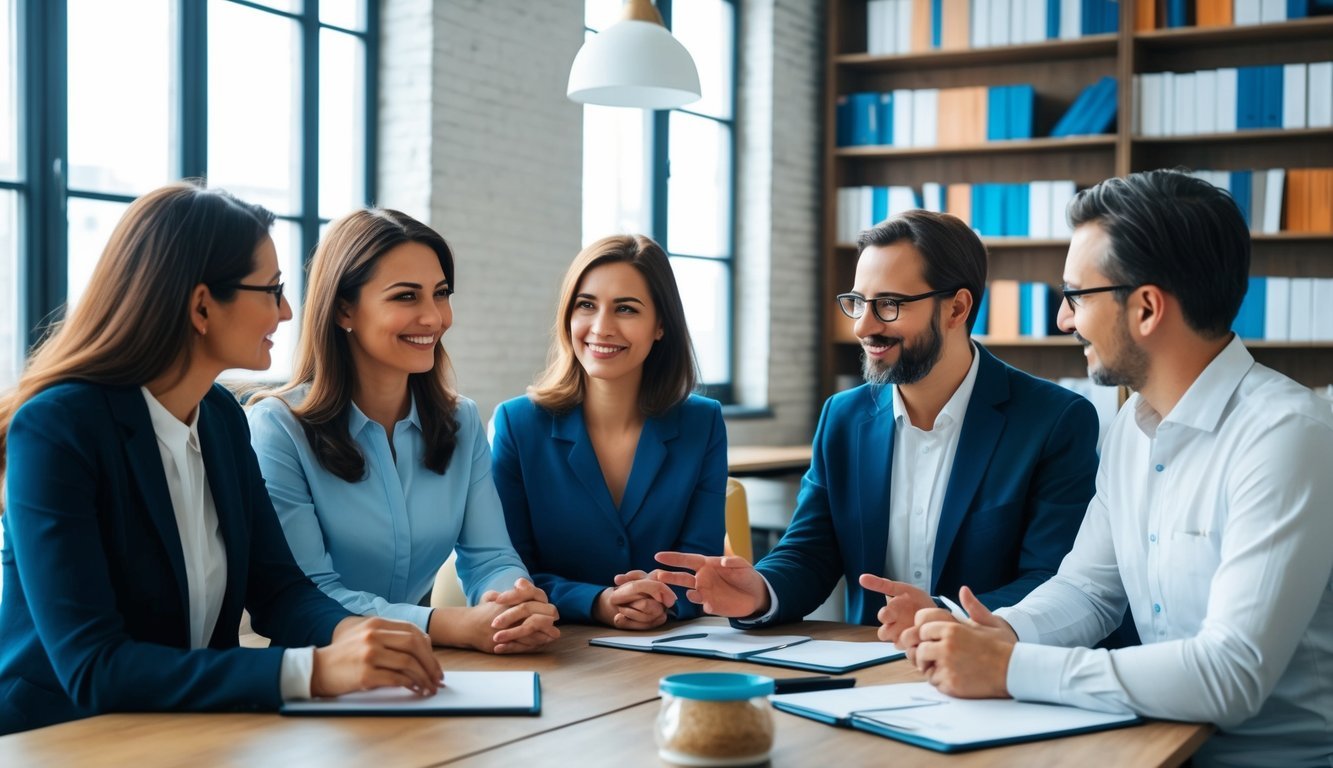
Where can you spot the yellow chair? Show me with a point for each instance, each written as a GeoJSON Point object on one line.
{"type": "Point", "coordinates": [737, 541]}
{"type": "Point", "coordinates": [448, 591]}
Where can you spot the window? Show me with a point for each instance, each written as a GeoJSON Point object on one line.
{"type": "Point", "coordinates": [670, 174]}
{"type": "Point", "coordinates": [272, 101]}
{"type": "Point", "coordinates": [12, 336]}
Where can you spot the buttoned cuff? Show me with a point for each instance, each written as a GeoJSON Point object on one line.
{"type": "Point", "coordinates": [1036, 672]}
{"type": "Point", "coordinates": [298, 666]}
{"type": "Point", "coordinates": [770, 614]}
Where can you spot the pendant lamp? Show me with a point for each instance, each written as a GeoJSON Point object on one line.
{"type": "Point", "coordinates": [634, 63]}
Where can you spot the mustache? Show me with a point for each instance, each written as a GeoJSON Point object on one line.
{"type": "Point", "coordinates": [881, 341]}
{"type": "Point", "coordinates": [1080, 339]}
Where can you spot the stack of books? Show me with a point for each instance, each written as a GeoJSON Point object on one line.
{"type": "Point", "coordinates": [933, 117]}
{"type": "Point", "coordinates": [1286, 309]}
{"type": "Point", "coordinates": [1158, 14]}
{"type": "Point", "coordinates": [1234, 98]}
{"type": "Point", "coordinates": [899, 27]}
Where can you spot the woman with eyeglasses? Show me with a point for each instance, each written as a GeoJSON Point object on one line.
{"type": "Point", "coordinates": [136, 524]}
{"type": "Point", "coordinates": [609, 458]}
{"type": "Point", "coordinates": [377, 468]}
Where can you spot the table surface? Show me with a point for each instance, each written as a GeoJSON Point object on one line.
{"type": "Point", "coordinates": [762, 459]}
{"type": "Point", "coordinates": [598, 706]}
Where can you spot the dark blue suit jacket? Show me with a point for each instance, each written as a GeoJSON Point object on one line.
{"type": "Point", "coordinates": [561, 518]}
{"type": "Point", "coordinates": [94, 616]}
{"type": "Point", "coordinates": [1021, 481]}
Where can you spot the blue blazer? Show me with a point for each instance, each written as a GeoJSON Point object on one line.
{"type": "Point", "coordinates": [1021, 481]}
{"type": "Point", "coordinates": [94, 614]}
{"type": "Point", "coordinates": [561, 518]}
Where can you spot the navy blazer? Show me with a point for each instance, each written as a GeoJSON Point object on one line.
{"type": "Point", "coordinates": [1021, 481]}
{"type": "Point", "coordinates": [561, 518]}
{"type": "Point", "coordinates": [94, 616]}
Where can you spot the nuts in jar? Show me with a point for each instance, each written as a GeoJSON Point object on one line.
{"type": "Point", "coordinates": [715, 718]}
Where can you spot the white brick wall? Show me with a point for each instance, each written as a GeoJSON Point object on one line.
{"type": "Point", "coordinates": [478, 137]}
{"type": "Point", "coordinates": [781, 78]}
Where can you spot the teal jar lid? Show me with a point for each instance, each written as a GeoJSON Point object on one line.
{"type": "Point", "coordinates": [716, 686]}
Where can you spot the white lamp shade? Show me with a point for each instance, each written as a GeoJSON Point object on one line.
{"type": "Point", "coordinates": [634, 64]}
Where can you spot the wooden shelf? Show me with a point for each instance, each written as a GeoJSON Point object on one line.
{"type": "Point", "coordinates": [1258, 135]}
{"type": "Point", "coordinates": [1042, 145]}
{"type": "Point", "coordinates": [1310, 345]}
{"type": "Point", "coordinates": [1012, 243]}
{"type": "Point", "coordinates": [1181, 38]}
{"type": "Point", "coordinates": [1084, 47]}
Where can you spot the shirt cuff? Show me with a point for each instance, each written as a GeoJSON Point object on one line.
{"type": "Point", "coordinates": [298, 666]}
{"type": "Point", "coordinates": [772, 611]}
{"type": "Point", "coordinates": [1036, 672]}
{"type": "Point", "coordinates": [1022, 624]}
{"type": "Point", "coordinates": [413, 614]}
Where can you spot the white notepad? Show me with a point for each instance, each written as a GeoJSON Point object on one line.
{"type": "Point", "coordinates": [795, 651]}
{"type": "Point", "coordinates": [463, 693]}
{"type": "Point", "coordinates": [919, 714]}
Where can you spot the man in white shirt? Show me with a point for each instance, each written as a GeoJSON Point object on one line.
{"type": "Point", "coordinates": [1212, 517]}
{"type": "Point", "coordinates": [948, 467]}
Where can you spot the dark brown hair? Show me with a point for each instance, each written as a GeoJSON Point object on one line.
{"type": "Point", "coordinates": [952, 253]}
{"type": "Point", "coordinates": [668, 372]}
{"type": "Point", "coordinates": [343, 263]}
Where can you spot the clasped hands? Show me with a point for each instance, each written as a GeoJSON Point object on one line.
{"type": "Point", "coordinates": [518, 620]}
{"type": "Point", "coordinates": [635, 602]}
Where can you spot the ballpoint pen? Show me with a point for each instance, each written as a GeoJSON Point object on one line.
{"type": "Point", "coordinates": [816, 683]}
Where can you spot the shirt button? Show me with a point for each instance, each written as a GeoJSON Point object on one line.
{"type": "Point", "coordinates": [917, 574]}
{"type": "Point", "coordinates": [1161, 467]}
{"type": "Point", "coordinates": [1156, 607]}
{"type": "Point", "coordinates": [1152, 537]}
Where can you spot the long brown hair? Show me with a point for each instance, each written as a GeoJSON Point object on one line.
{"type": "Point", "coordinates": [343, 263]}
{"type": "Point", "coordinates": [669, 373]}
{"type": "Point", "coordinates": [132, 324]}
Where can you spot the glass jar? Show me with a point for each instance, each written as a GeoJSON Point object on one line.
{"type": "Point", "coordinates": [715, 718]}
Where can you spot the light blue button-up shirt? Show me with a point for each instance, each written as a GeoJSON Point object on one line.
{"type": "Point", "coordinates": [375, 545]}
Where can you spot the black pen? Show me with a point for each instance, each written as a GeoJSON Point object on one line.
{"type": "Point", "coordinates": [817, 683]}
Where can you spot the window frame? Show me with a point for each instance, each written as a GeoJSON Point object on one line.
{"type": "Point", "coordinates": [43, 147]}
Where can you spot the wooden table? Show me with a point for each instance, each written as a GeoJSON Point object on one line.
{"type": "Point", "coordinates": [598, 706]}
{"type": "Point", "coordinates": [767, 459]}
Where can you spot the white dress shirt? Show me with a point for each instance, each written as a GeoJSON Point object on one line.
{"type": "Point", "coordinates": [202, 546]}
{"type": "Point", "coordinates": [1214, 524]}
{"type": "Point", "coordinates": [922, 465]}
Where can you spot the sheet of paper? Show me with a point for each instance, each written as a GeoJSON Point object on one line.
{"type": "Point", "coordinates": [832, 653]}
{"type": "Point", "coordinates": [721, 640]}
{"type": "Point", "coordinates": [462, 691]}
{"type": "Point", "coordinates": [841, 703]}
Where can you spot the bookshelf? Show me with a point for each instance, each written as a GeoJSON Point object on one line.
{"type": "Point", "coordinates": [1059, 70]}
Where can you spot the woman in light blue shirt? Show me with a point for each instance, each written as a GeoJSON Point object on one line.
{"type": "Point", "coordinates": [377, 468]}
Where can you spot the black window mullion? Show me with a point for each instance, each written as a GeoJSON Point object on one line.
{"type": "Point", "coordinates": [371, 41]}
{"type": "Point", "coordinates": [192, 68]}
{"type": "Point", "coordinates": [44, 94]}
{"type": "Point", "coordinates": [309, 129]}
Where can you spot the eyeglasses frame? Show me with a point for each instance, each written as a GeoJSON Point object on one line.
{"type": "Point", "coordinates": [897, 301]}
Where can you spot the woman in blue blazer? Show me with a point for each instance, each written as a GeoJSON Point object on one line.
{"type": "Point", "coordinates": [609, 457]}
{"type": "Point", "coordinates": [136, 525]}
{"type": "Point", "coordinates": [377, 467]}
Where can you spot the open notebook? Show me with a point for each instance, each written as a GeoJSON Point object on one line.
{"type": "Point", "coordinates": [463, 693]}
{"type": "Point", "coordinates": [918, 714]}
{"type": "Point", "coordinates": [795, 651]}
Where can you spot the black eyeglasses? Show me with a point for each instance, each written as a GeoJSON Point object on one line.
{"type": "Point", "coordinates": [276, 290]}
{"type": "Point", "coordinates": [886, 308]}
{"type": "Point", "coordinates": [1072, 297]}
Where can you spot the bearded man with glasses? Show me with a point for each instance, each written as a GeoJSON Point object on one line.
{"type": "Point", "coordinates": [948, 467]}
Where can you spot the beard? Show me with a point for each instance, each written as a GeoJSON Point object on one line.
{"type": "Point", "coordinates": [1129, 367]}
{"type": "Point", "coordinates": [915, 360]}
